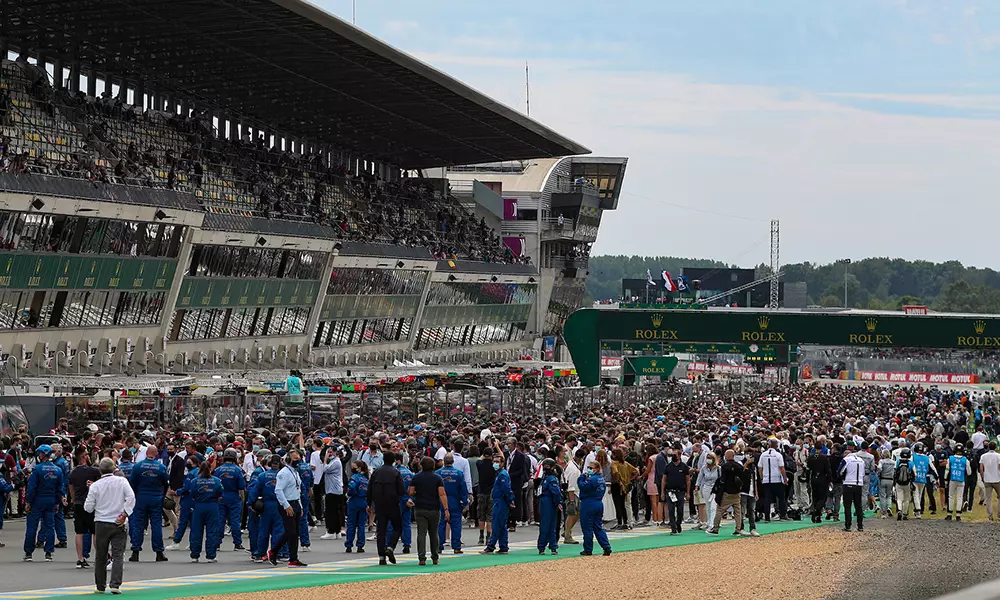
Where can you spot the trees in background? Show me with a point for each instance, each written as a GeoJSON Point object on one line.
{"type": "Point", "coordinates": [876, 283]}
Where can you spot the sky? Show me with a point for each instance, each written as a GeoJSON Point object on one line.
{"type": "Point", "coordinates": [866, 127]}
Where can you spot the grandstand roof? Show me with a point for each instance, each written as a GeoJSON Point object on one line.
{"type": "Point", "coordinates": [297, 69]}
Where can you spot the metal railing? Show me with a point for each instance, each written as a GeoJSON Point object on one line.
{"type": "Point", "coordinates": [405, 407]}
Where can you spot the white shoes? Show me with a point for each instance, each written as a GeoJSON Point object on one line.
{"type": "Point", "coordinates": [305, 549]}
{"type": "Point", "coordinates": [173, 547]}
{"type": "Point", "coordinates": [194, 560]}
{"type": "Point", "coordinates": [328, 536]}
{"type": "Point", "coordinates": [372, 537]}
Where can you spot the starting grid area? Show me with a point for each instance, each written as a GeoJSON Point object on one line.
{"type": "Point", "coordinates": [268, 577]}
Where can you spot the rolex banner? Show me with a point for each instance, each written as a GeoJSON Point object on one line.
{"type": "Point", "coordinates": [650, 366]}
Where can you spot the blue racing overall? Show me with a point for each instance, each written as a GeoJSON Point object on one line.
{"type": "Point", "coordinates": [206, 493]}
{"type": "Point", "coordinates": [187, 505]}
{"type": "Point", "coordinates": [271, 526]}
{"type": "Point", "coordinates": [253, 519]}
{"type": "Point", "coordinates": [44, 494]}
{"type": "Point", "coordinates": [231, 507]}
{"type": "Point", "coordinates": [592, 489]}
{"type": "Point", "coordinates": [357, 513]}
{"type": "Point", "coordinates": [149, 480]}
{"type": "Point", "coordinates": [503, 499]}
{"type": "Point", "coordinates": [405, 512]}
{"type": "Point", "coordinates": [548, 505]}
{"type": "Point", "coordinates": [458, 497]}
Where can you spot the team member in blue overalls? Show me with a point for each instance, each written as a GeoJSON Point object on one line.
{"type": "Point", "coordinates": [253, 493]}
{"type": "Point", "coordinates": [592, 489]}
{"type": "Point", "coordinates": [6, 487]}
{"type": "Point", "coordinates": [187, 503]}
{"type": "Point", "coordinates": [231, 508]}
{"type": "Point", "coordinates": [306, 475]}
{"type": "Point", "coordinates": [149, 480]}
{"type": "Point", "coordinates": [125, 465]}
{"type": "Point", "coordinates": [60, 518]}
{"type": "Point", "coordinates": [550, 507]}
{"type": "Point", "coordinates": [405, 512]}
{"type": "Point", "coordinates": [458, 496]}
{"type": "Point", "coordinates": [357, 506]}
{"type": "Point", "coordinates": [503, 501]}
{"type": "Point", "coordinates": [44, 494]}
{"type": "Point", "coordinates": [270, 526]}
{"type": "Point", "coordinates": [206, 491]}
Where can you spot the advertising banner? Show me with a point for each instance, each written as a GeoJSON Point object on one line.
{"type": "Point", "coordinates": [728, 369]}
{"type": "Point", "coordinates": [907, 377]}
{"type": "Point", "coordinates": [549, 347]}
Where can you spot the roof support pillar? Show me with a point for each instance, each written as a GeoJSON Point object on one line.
{"type": "Point", "coordinates": [91, 81]}
{"type": "Point", "coordinates": [139, 96]}
{"type": "Point", "coordinates": [74, 77]}
{"type": "Point", "coordinates": [57, 73]}
{"type": "Point", "coordinates": [4, 48]}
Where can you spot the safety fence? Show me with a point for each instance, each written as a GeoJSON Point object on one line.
{"type": "Point", "coordinates": [272, 411]}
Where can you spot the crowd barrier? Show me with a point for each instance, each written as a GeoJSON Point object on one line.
{"type": "Point", "coordinates": [271, 411]}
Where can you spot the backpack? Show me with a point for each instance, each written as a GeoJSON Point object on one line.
{"type": "Point", "coordinates": [904, 474]}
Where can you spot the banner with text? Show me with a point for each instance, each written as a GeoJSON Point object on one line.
{"type": "Point", "coordinates": [906, 377]}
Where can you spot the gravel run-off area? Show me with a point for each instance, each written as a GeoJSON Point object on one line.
{"type": "Point", "coordinates": [890, 560]}
{"type": "Point", "coordinates": [802, 565]}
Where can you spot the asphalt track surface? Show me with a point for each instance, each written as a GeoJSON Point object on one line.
{"type": "Point", "coordinates": [328, 564]}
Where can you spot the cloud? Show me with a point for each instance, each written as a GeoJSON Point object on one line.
{"type": "Point", "coordinates": [401, 27]}
{"type": "Point", "coordinates": [842, 180]}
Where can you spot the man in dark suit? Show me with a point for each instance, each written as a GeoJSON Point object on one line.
{"type": "Point", "coordinates": [519, 470]}
{"type": "Point", "coordinates": [385, 489]}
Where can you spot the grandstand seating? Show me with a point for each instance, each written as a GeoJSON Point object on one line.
{"type": "Point", "coordinates": [105, 140]}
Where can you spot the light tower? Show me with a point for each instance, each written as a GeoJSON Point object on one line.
{"type": "Point", "coordinates": [775, 264]}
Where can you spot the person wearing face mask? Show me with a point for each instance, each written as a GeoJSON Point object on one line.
{"type": "Point", "coordinates": [405, 512]}
{"type": "Point", "coordinates": [288, 491]}
{"type": "Point", "coordinates": [503, 502]}
{"type": "Point", "coordinates": [622, 475]}
{"type": "Point", "coordinates": [306, 490]}
{"type": "Point", "coordinates": [704, 486]}
{"type": "Point", "coordinates": [186, 503]}
{"type": "Point", "coordinates": [270, 526]}
{"type": "Point", "coordinates": [550, 507]}
{"type": "Point", "coordinates": [571, 475]}
{"type": "Point", "coordinates": [357, 504]}
{"type": "Point", "coordinates": [592, 488]}
{"type": "Point", "coordinates": [253, 494]}
{"type": "Point", "coordinates": [675, 486]}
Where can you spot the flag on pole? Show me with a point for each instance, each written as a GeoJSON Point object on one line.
{"type": "Point", "coordinates": [682, 285]}
{"type": "Point", "coordinates": [668, 282]}
{"type": "Point", "coordinates": [649, 279]}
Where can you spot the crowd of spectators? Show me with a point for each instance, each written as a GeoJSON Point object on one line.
{"type": "Point", "coordinates": [660, 458]}
{"type": "Point", "coordinates": [105, 140]}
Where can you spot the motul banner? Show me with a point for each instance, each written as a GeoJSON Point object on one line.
{"type": "Point", "coordinates": [904, 377]}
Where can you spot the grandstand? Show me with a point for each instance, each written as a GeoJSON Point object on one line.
{"type": "Point", "coordinates": [203, 184]}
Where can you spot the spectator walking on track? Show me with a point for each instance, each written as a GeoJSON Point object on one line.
{"type": "Point", "coordinates": [112, 501]}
